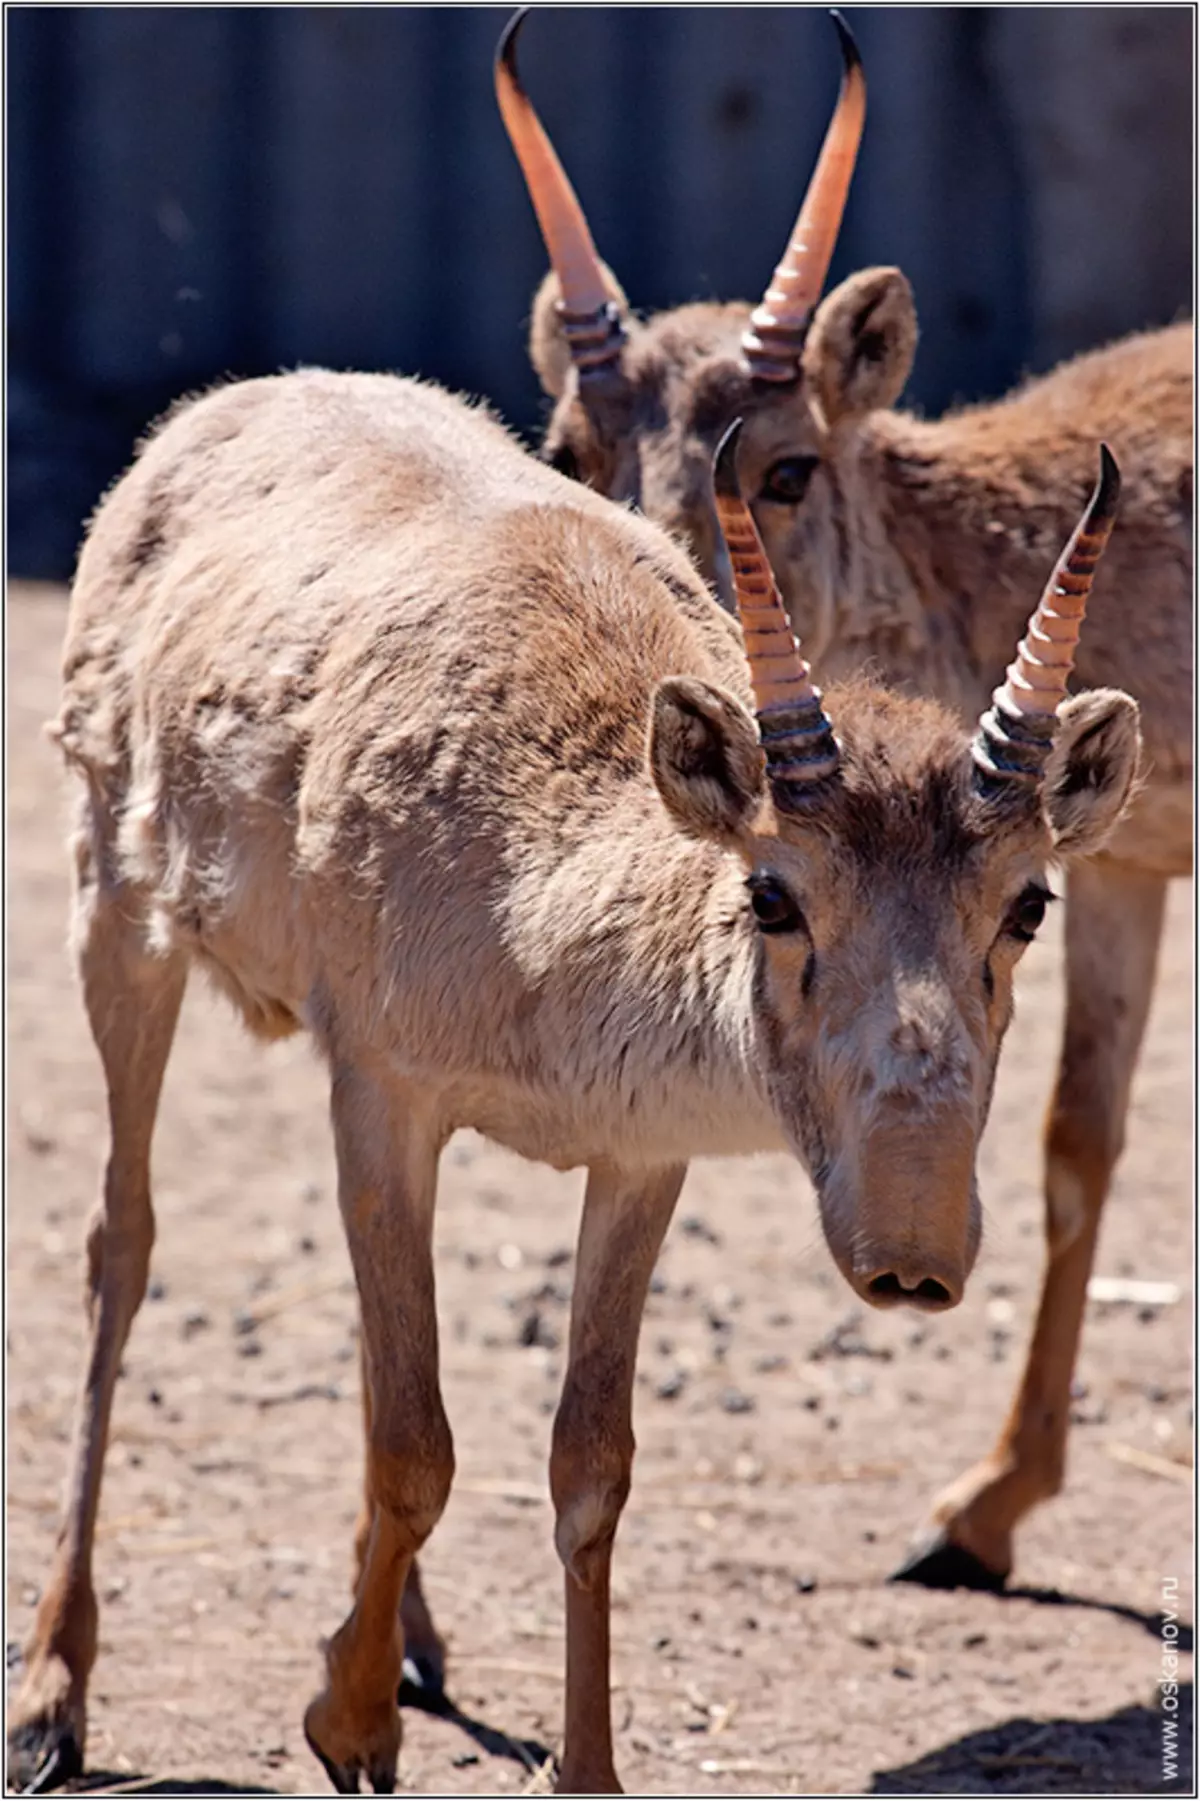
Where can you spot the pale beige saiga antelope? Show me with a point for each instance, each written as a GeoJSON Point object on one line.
{"type": "Point", "coordinates": [415, 745]}
{"type": "Point", "coordinates": [909, 547]}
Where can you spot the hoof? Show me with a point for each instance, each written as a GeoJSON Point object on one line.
{"type": "Point", "coordinates": [380, 1770]}
{"type": "Point", "coordinates": [42, 1756]}
{"type": "Point", "coordinates": [937, 1562]}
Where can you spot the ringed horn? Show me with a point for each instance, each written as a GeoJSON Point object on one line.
{"type": "Point", "coordinates": [1017, 732]}
{"type": "Point", "coordinates": [794, 730]}
{"type": "Point", "coordinates": [778, 325]}
{"type": "Point", "coordinates": [590, 319]}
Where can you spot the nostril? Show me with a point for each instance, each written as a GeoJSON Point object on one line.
{"type": "Point", "coordinates": [928, 1292]}
{"type": "Point", "coordinates": [935, 1293]}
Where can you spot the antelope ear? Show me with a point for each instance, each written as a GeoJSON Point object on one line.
{"type": "Point", "coordinates": [548, 351]}
{"type": "Point", "coordinates": [705, 758]}
{"type": "Point", "coordinates": [861, 344]}
{"type": "Point", "coordinates": [1091, 770]}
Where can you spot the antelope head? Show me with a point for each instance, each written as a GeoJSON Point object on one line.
{"type": "Point", "coordinates": [896, 873]}
{"type": "Point", "coordinates": [640, 406]}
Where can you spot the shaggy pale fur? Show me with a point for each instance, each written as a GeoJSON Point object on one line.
{"type": "Point", "coordinates": [414, 745]}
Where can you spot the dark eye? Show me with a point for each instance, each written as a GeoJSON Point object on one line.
{"type": "Point", "coordinates": [774, 908]}
{"type": "Point", "coordinates": [1027, 913]}
{"type": "Point", "coordinates": [566, 462]}
{"type": "Point", "coordinates": [787, 480]}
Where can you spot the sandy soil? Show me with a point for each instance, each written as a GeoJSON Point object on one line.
{"type": "Point", "coordinates": [757, 1646]}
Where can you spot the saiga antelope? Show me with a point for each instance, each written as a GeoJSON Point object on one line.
{"type": "Point", "coordinates": [413, 744]}
{"type": "Point", "coordinates": [909, 546]}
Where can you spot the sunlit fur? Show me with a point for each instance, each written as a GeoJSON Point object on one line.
{"type": "Point", "coordinates": [411, 743]}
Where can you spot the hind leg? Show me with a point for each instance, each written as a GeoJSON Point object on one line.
{"type": "Point", "coordinates": [1114, 924]}
{"type": "Point", "coordinates": [132, 998]}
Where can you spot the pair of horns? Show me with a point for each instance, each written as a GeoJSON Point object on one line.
{"type": "Point", "coordinates": [1015, 735]}
{"type": "Point", "coordinates": [591, 320]}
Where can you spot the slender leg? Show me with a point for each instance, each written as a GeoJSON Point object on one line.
{"type": "Point", "coordinates": [624, 1220]}
{"type": "Point", "coordinates": [1114, 924]}
{"type": "Point", "coordinates": [424, 1652]}
{"type": "Point", "coordinates": [132, 999]}
{"type": "Point", "coordinates": [387, 1151]}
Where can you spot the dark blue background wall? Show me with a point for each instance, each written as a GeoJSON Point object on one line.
{"type": "Point", "coordinates": [196, 192]}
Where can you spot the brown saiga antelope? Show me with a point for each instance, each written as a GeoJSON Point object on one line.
{"type": "Point", "coordinates": [910, 546]}
{"type": "Point", "coordinates": [411, 743]}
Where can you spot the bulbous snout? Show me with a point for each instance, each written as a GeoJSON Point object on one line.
{"type": "Point", "coordinates": [902, 1215]}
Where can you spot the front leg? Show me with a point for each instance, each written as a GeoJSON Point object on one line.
{"type": "Point", "coordinates": [387, 1149]}
{"type": "Point", "coordinates": [624, 1220]}
{"type": "Point", "coordinates": [424, 1652]}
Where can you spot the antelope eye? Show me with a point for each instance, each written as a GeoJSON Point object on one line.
{"type": "Point", "coordinates": [774, 908]}
{"type": "Point", "coordinates": [787, 480]}
{"type": "Point", "coordinates": [566, 462]}
{"type": "Point", "coordinates": [1027, 913]}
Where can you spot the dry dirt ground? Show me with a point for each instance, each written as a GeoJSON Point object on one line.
{"type": "Point", "coordinates": [787, 1448]}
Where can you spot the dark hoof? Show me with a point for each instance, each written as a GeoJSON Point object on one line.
{"type": "Point", "coordinates": [343, 1778]}
{"type": "Point", "coordinates": [938, 1562]}
{"type": "Point", "coordinates": [423, 1684]}
{"type": "Point", "coordinates": [35, 1766]}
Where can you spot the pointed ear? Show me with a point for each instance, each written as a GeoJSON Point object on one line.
{"type": "Point", "coordinates": [861, 344]}
{"type": "Point", "coordinates": [1091, 771]}
{"type": "Point", "coordinates": [548, 350]}
{"type": "Point", "coordinates": [705, 758]}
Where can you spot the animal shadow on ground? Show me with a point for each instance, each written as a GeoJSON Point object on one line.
{"type": "Point", "coordinates": [1149, 1622]}
{"type": "Point", "coordinates": [108, 1782]}
{"type": "Point", "coordinates": [529, 1752]}
{"type": "Point", "coordinates": [1122, 1754]}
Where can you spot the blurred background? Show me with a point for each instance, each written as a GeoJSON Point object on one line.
{"type": "Point", "coordinates": [201, 192]}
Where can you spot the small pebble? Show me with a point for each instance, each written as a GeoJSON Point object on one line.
{"type": "Point", "coordinates": [535, 1331]}
{"type": "Point", "coordinates": [671, 1387]}
{"type": "Point", "coordinates": [156, 1289]}
{"type": "Point", "coordinates": [694, 1226]}
{"type": "Point", "coordinates": [806, 1585]}
{"type": "Point", "coordinates": [734, 1401]}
